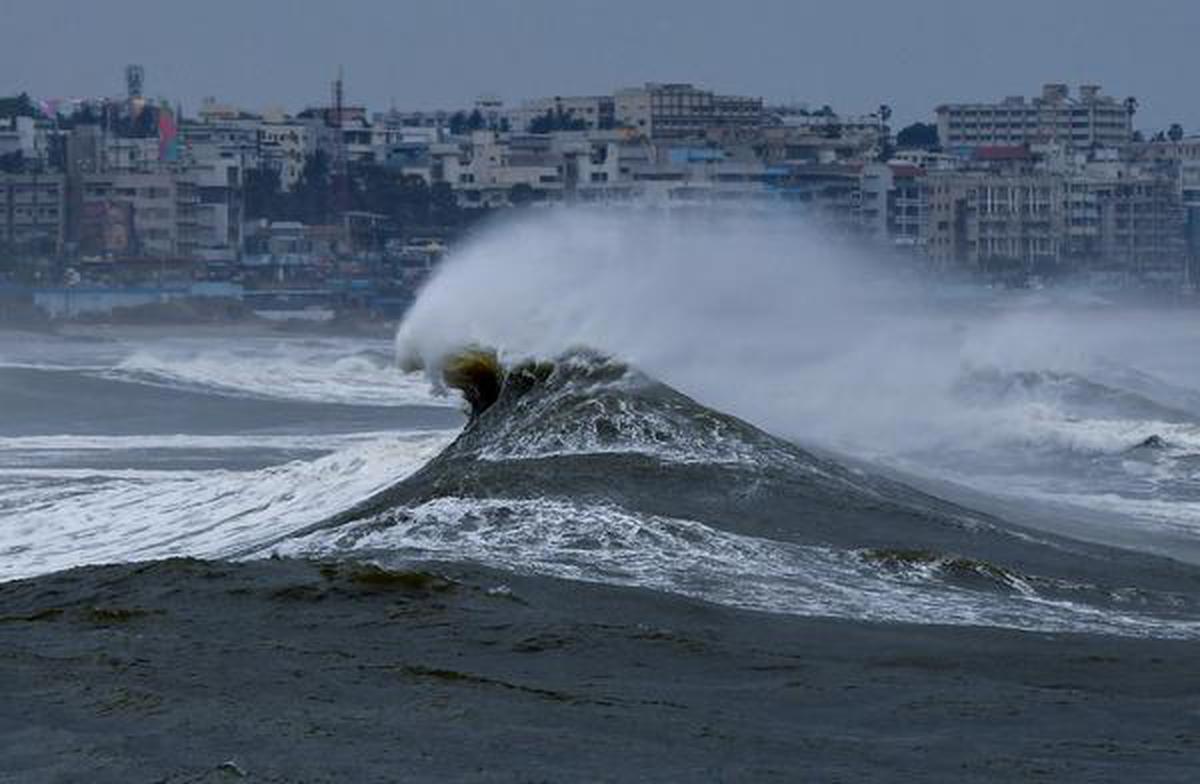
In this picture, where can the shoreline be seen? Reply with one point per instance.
(289, 671)
(74, 330)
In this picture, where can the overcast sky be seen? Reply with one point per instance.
(852, 54)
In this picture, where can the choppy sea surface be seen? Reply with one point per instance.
(1052, 516)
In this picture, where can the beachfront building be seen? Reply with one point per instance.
(138, 214)
(1088, 120)
(995, 222)
(33, 213)
(1126, 223)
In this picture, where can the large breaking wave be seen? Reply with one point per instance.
(586, 468)
(617, 463)
(1020, 395)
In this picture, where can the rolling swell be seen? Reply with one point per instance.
(41, 401)
(584, 467)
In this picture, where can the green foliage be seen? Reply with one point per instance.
(311, 200)
(18, 106)
(557, 120)
(918, 136)
(406, 200)
(522, 194)
(13, 163)
(262, 194)
(462, 123)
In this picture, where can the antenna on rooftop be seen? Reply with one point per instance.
(135, 77)
(341, 168)
(339, 99)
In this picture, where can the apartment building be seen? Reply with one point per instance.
(1125, 222)
(994, 222)
(21, 135)
(147, 214)
(1090, 119)
(682, 111)
(235, 139)
(284, 145)
(485, 170)
(33, 212)
(908, 208)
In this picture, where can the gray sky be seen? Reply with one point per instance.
(851, 54)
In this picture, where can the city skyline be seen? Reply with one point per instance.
(444, 56)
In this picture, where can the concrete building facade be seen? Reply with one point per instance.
(682, 111)
(1089, 120)
(33, 212)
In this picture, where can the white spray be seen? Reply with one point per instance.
(762, 316)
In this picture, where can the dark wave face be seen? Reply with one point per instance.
(584, 467)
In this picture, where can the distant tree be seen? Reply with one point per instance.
(476, 121)
(312, 199)
(503, 126)
(83, 114)
(443, 205)
(13, 163)
(1175, 133)
(521, 194)
(263, 195)
(414, 201)
(918, 136)
(557, 120)
(18, 106)
(458, 123)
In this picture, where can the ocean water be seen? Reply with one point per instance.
(145, 446)
(732, 408)
(135, 446)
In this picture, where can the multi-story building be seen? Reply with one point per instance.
(1089, 120)
(130, 155)
(908, 208)
(216, 183)
(876, 184)
(1126, 223)
(591, 112)
(490, 171)
(139, 214)
(284, 145)
(995, 222)
(21, 135)
(33, 213)
(829, 194)
(236, 139)
(1189, 194)
(681, 111)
